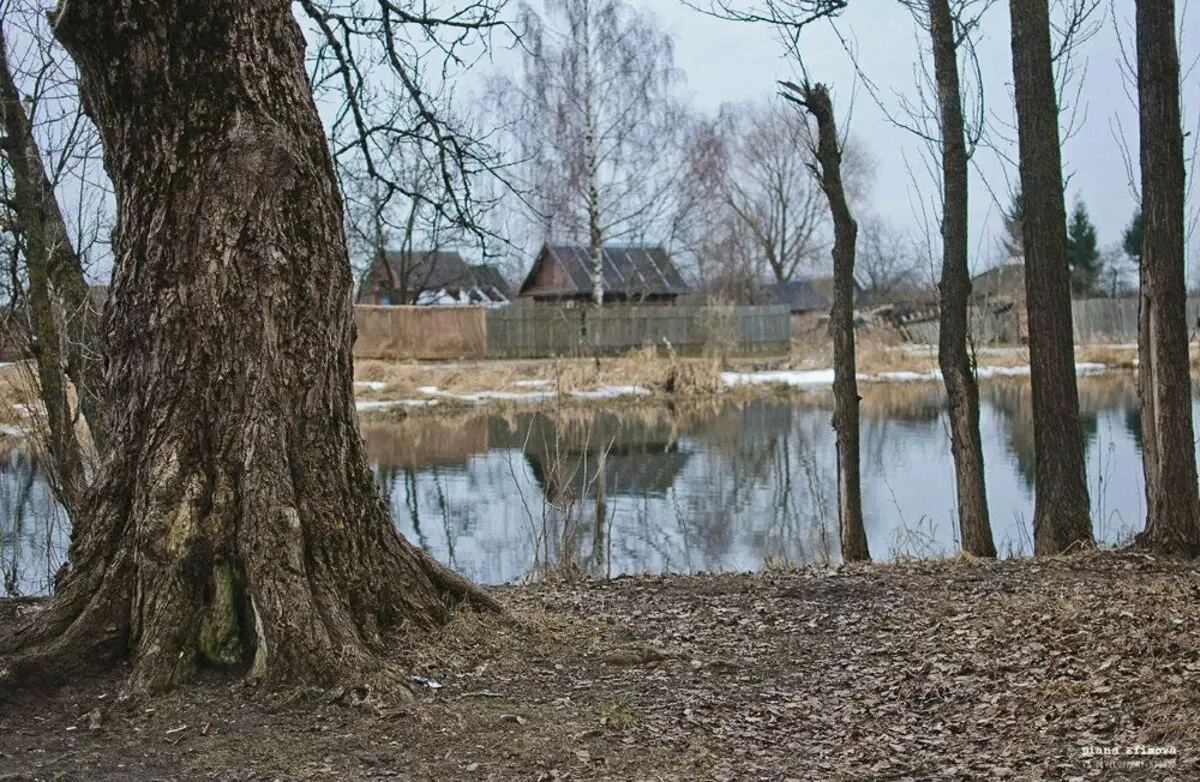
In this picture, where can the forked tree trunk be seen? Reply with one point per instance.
(958, 373)
(1173, 508)
(63, 321)
(1061, 514)
(236, 519)
(815, 99)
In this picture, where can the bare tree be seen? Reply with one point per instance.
(788, 18)
(1061, 521)
(706, 234)
(885, 261)
(599, 124)
(814, 98)
(949, 32)
(770, 187)
(1169, 456)
(47, 279)
(235, 516)
(398, 239)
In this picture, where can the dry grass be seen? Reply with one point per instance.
(877, 351)
(645, 368)
(1117, 356)
(17, 390)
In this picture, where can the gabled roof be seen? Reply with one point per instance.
(418, 271)
(1005, 280)
(628, 271)
(824, 287)
(798, 296)
(905, 292)
(491, 282)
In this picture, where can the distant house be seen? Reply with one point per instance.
(632, 275)
(431, 278)
(1007, 281)
(999, 290)
(491, 283)
(824, 287)
(799, 296)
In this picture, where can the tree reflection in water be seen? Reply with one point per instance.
(677, 487)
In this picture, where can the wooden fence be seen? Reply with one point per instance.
(1116, 320)
(420, 332)
(989, 326)
(1095, 322)
(536, 332)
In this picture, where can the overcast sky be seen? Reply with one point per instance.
(728, 61)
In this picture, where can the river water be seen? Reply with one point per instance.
(715, 487)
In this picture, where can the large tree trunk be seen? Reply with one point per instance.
(1061, 513)
(236, 519)
(958, 372)
(62, 318)
(1173, 507)
(815, 99)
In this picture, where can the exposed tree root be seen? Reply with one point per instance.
(282, 611)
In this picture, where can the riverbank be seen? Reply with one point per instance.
(413, 387)
(951, 669)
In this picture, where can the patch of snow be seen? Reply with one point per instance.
(11, 431)
(480, 396)
(384, 404)
(611, 392)
(532, 383)
(902, 377)
(813, 378)
(823, 378)
(370, 385)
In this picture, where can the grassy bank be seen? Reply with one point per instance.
(640, 373)
(945, 670)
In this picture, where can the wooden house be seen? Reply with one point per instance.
(632, 275)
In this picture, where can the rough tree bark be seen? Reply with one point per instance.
(1061, 509)
(1169, 456)
(63, 321)
(236, 520)
(814, 98)
(958, 373)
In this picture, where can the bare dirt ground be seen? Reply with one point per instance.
(947, 670)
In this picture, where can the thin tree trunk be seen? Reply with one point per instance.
(601, 515)
(236, 520)
(1145, 392)
(1173, 507)
(1061, 510)
(62, 318)
(592, 163)
(958, 372)
(815, 99)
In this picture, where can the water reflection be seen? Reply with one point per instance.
(695, 488)
(33, 529)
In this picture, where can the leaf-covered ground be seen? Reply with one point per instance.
(948, 670)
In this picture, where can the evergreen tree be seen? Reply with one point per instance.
(1013, 243)
(1131, 240)
(1083, 253)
